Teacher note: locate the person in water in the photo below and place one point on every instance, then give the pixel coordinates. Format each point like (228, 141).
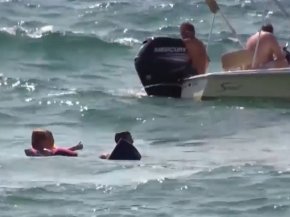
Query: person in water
(42, 143)
(39, 143)
(124, 149)
(269, 54)
(195, 48)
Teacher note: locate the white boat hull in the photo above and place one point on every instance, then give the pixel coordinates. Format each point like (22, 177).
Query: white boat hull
(264, 83)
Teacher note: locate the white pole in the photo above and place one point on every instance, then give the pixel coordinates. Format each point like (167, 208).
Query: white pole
(256, 49)
(231, 28)
(214, 8)
(210, 33)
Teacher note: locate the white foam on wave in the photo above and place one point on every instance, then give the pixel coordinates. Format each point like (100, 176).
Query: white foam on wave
(39, 32)
(127, 41)
(17, 83)
(34, 33)
(128, 93)
(163, 5)
(97, 5)
(62, 93)
(141, 176)
(9, 30)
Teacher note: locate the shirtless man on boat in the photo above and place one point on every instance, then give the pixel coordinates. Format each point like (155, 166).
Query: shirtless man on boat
(195, 48)
(270, 54)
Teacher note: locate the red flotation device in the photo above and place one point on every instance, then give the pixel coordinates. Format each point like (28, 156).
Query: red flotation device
(54, 152)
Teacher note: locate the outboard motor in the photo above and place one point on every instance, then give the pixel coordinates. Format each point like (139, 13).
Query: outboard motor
(162, 64)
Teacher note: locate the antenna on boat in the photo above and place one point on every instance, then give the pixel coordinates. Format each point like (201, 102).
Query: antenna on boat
(214, 8)
(210, 33)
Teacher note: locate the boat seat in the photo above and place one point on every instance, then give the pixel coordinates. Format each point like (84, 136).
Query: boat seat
(237, 60)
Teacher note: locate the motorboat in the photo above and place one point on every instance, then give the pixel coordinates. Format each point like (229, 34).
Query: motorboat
(165, 70)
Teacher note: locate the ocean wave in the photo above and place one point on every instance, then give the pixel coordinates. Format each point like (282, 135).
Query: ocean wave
(7, 117)
(127, 41)
(46, 37)
(110, 4)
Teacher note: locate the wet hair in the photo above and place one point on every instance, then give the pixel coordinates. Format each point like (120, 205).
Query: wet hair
(189, 27)
(268, 28)
(50, 136)
(37, 137)
(122, 135)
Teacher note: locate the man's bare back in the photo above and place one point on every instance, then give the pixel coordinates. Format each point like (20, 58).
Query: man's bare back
(197, 53)
(269, 53)
(195, 48)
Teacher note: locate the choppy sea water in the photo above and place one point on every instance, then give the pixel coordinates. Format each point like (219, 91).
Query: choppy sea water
(68, 66)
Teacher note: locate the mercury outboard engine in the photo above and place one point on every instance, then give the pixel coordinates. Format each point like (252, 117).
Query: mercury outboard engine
(162, 64)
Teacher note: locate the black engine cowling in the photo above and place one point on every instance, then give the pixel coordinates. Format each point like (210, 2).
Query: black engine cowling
(162, 63)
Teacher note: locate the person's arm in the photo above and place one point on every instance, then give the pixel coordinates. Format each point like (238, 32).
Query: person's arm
(77, 147)
(65, 152)
(280, 60)
(30, 153)
(105, 156)
(36, 153)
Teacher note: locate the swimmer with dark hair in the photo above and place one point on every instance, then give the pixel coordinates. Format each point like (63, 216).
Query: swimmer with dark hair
(124, 150)
(42, 142)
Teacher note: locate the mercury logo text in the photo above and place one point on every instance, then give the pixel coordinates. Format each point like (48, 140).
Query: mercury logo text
(169, 50)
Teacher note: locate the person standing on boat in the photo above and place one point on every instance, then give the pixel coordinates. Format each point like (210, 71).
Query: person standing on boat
(195, 48)
(269, 54)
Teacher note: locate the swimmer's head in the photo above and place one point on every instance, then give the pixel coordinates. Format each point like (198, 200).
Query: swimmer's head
(38, 139)
(124, 135)
(187, 30)
(268, 28)
(50, 139)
